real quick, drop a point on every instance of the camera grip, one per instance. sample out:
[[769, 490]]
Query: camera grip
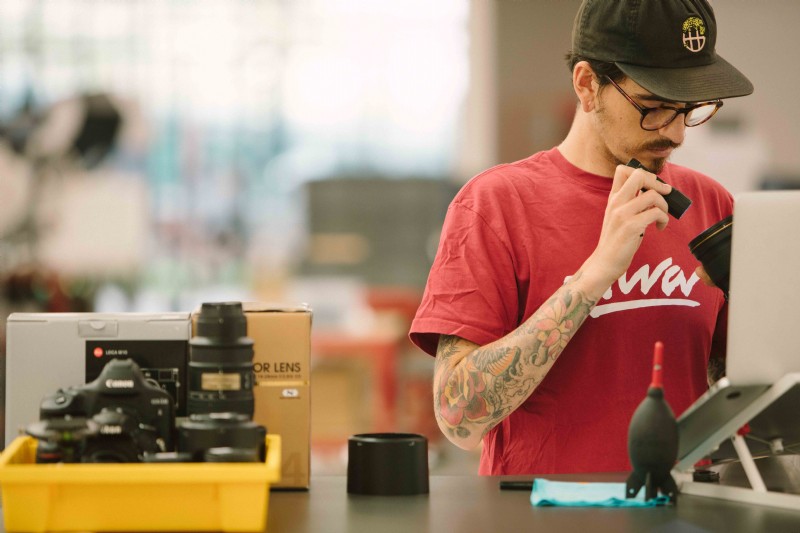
[[677, 202]]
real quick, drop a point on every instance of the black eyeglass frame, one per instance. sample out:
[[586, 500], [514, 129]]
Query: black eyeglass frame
[[678, 110]]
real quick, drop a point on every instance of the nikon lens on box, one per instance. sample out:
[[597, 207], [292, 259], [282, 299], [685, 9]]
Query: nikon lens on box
[[282, 351], [49, 351]]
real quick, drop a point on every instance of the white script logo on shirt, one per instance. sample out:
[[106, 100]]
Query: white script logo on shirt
[[672, 277]]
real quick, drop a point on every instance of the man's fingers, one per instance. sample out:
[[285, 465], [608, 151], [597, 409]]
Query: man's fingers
[[704, 277], [661, 219], [640, 203], [621, 175], [633, 180], [653, 215]]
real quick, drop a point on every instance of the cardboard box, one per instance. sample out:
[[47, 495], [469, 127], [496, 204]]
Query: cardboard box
[[281, 365], [343, 401]]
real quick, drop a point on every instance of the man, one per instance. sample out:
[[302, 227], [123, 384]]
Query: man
[[555, 275]]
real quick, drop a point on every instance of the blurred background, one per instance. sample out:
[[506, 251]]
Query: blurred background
[[155, 154]]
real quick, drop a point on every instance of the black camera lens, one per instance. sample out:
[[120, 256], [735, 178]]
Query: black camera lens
[[61, 440], [713, 249], [232, 431], [221, 362]]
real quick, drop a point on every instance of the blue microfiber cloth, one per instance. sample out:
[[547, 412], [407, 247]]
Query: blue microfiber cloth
[[572, 494]]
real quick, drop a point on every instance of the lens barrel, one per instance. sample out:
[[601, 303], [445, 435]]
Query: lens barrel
[[713, 249], [221, 362], [222, 437]]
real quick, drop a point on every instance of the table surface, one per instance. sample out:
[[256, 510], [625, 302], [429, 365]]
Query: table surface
[[465, 504]]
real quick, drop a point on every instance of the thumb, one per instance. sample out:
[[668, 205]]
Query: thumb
[[703, 275]]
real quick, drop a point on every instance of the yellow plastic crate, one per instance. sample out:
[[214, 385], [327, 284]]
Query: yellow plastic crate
[[135, 497]]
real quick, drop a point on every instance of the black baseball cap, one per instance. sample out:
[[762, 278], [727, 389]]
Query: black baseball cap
[[666, 46]]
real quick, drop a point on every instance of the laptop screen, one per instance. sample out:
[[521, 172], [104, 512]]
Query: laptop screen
[[764, 300]]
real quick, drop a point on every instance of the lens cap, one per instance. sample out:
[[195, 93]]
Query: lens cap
[[222, 320], [389, 464]]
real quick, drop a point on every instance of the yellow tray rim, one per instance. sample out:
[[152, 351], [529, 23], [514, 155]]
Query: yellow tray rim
[[137, 473]]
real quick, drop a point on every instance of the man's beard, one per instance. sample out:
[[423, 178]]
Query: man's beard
[[654, 165]]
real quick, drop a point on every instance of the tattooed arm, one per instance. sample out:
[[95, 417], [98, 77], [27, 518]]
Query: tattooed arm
[[475, 387]]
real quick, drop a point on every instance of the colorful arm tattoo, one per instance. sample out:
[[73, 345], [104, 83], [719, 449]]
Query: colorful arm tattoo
[[476, 387]]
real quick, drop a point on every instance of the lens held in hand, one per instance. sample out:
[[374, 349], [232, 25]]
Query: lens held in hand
[[221, 362], [713, 249]]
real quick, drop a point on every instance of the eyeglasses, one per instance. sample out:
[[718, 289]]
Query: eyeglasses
[[655, 118]]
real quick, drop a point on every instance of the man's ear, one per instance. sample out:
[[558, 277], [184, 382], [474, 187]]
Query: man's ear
[[585, 85]]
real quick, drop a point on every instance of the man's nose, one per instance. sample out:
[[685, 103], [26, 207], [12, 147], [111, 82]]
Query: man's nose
[[675, 131]]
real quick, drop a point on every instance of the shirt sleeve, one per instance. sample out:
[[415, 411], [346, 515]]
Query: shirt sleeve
[[471, 290]]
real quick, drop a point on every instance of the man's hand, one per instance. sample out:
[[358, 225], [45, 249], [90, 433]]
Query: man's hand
[[629, 213], [704, 277]]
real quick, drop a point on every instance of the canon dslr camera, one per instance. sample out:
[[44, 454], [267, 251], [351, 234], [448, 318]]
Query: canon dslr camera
[[119, 417]]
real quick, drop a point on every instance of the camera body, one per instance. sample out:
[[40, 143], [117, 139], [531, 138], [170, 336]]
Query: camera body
[[48, 351], [131, 412]]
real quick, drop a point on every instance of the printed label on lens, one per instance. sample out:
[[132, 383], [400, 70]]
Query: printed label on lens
[[220, 381]]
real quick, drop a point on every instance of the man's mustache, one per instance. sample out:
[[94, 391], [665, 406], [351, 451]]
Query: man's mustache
[[660, 145]]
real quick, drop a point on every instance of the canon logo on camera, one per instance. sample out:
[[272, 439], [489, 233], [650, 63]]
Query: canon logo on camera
[[119, 383]]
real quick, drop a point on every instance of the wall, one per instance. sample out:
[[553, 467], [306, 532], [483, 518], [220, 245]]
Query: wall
[[762, 40], [534, 98], [533, 82]]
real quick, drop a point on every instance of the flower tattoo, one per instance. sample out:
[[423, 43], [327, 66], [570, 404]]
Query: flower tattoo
[[555, 328], [461, 397]]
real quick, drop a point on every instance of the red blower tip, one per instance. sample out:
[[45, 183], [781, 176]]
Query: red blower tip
[[658, 361]]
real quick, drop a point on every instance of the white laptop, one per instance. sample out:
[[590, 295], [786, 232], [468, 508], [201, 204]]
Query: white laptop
[[763, 328], [764, 314]]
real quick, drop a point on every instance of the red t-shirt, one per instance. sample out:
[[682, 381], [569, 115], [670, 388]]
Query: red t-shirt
[[511, 237]]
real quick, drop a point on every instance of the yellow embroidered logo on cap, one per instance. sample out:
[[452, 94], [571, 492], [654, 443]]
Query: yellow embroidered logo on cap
[[694, 34]]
